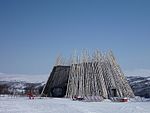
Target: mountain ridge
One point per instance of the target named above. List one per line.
(140, 85)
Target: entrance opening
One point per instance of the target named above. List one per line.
(113, 92)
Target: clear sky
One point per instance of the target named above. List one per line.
(34, 32)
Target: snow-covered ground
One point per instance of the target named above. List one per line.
(62, 105)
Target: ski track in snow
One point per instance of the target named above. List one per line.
(61, 105)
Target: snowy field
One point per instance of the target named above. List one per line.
(61, 105)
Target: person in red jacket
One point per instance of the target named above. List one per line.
(30, 95)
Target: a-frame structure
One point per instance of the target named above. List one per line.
(96, 75)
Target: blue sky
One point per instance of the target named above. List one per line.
(34, 32)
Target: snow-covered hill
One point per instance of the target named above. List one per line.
(20, 87)
(138, 72)
(140, 85)
(20, 84)
(23, 77)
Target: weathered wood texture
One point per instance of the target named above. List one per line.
(96, 75)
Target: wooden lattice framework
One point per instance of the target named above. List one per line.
(89, 75)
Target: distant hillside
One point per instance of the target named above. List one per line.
(20, 87)
(140, 86)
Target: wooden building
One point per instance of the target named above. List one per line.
(96, 75)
